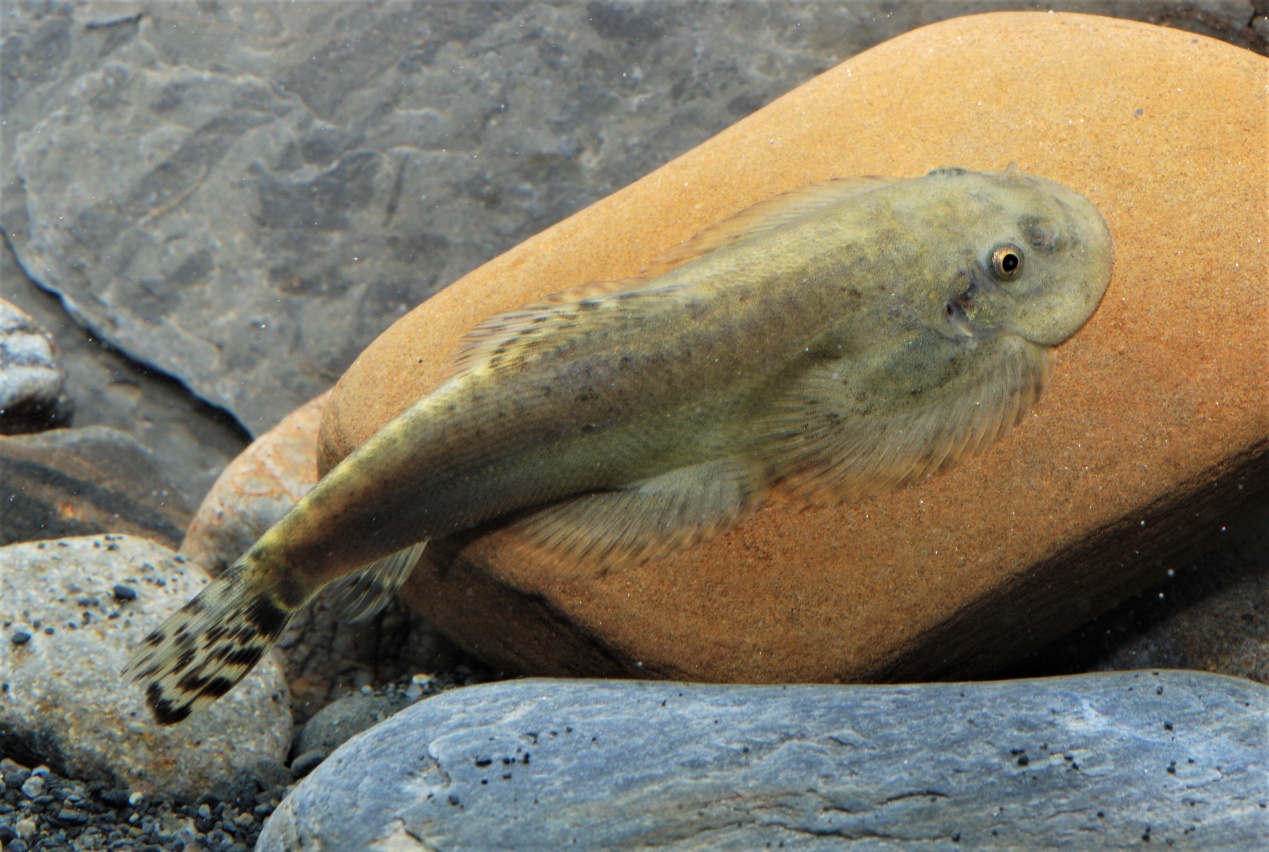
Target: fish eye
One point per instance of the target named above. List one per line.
(1006, 262)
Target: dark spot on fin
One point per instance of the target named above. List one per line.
(216, 687)
(164, 710)
(268, 617)
(210, 644)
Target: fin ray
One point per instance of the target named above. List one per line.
(359, 595)
(509, 339)
(606, 531)
(763, 218)
(825, 446)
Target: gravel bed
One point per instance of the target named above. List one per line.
(42, 810)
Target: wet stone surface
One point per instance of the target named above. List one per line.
(1103, 760)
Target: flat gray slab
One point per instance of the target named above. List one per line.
(1100, 760)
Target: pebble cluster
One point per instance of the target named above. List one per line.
(41, 810)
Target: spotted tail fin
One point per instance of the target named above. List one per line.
(208, 645)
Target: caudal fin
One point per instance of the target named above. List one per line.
(208, 645)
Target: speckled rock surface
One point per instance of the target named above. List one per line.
(1153, 434)
(1104, 761)
(72, 612)
(32, 381)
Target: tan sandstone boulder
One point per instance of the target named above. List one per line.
(1153, 433)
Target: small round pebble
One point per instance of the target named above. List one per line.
(33, 786)
(125, 593)
(307, 762)
(19, 637)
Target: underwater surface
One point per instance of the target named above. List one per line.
(212, 209)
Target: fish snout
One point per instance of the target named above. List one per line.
(967, 318)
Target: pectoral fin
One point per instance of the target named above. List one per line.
(606, 531)
(359, 595)
(834, 436)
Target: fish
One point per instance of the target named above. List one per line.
(839, 340)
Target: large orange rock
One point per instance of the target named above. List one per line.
(1153, 432)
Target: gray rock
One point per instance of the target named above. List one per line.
(245, 194)
(336, 723)
(246, 197)
(1098, 760)
(64, 703)
(70, 482)
(190, 440)
(32, 382)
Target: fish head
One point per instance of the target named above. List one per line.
(1034, 258)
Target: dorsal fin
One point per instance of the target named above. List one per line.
(510, 337)
(765, 217)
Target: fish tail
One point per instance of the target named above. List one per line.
(211, 643)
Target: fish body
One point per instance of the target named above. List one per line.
(842, 339)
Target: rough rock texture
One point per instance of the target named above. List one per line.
(243, 194)
(1153, 434)
(71, 614)
(69, 482)
(1095, 761)
(32, 382)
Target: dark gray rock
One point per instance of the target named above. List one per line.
(64, 704)
(190, 440)
(70, 482)
(336, 723)
(245, 196)
(32, 381)
(1098, 760)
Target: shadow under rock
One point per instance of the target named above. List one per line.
(1211, 614)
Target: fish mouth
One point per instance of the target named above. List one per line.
(958, 319)
(960, 327)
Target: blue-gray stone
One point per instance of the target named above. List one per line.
(1100, 760)
(32, 382)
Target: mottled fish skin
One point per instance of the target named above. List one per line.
(841, 340)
